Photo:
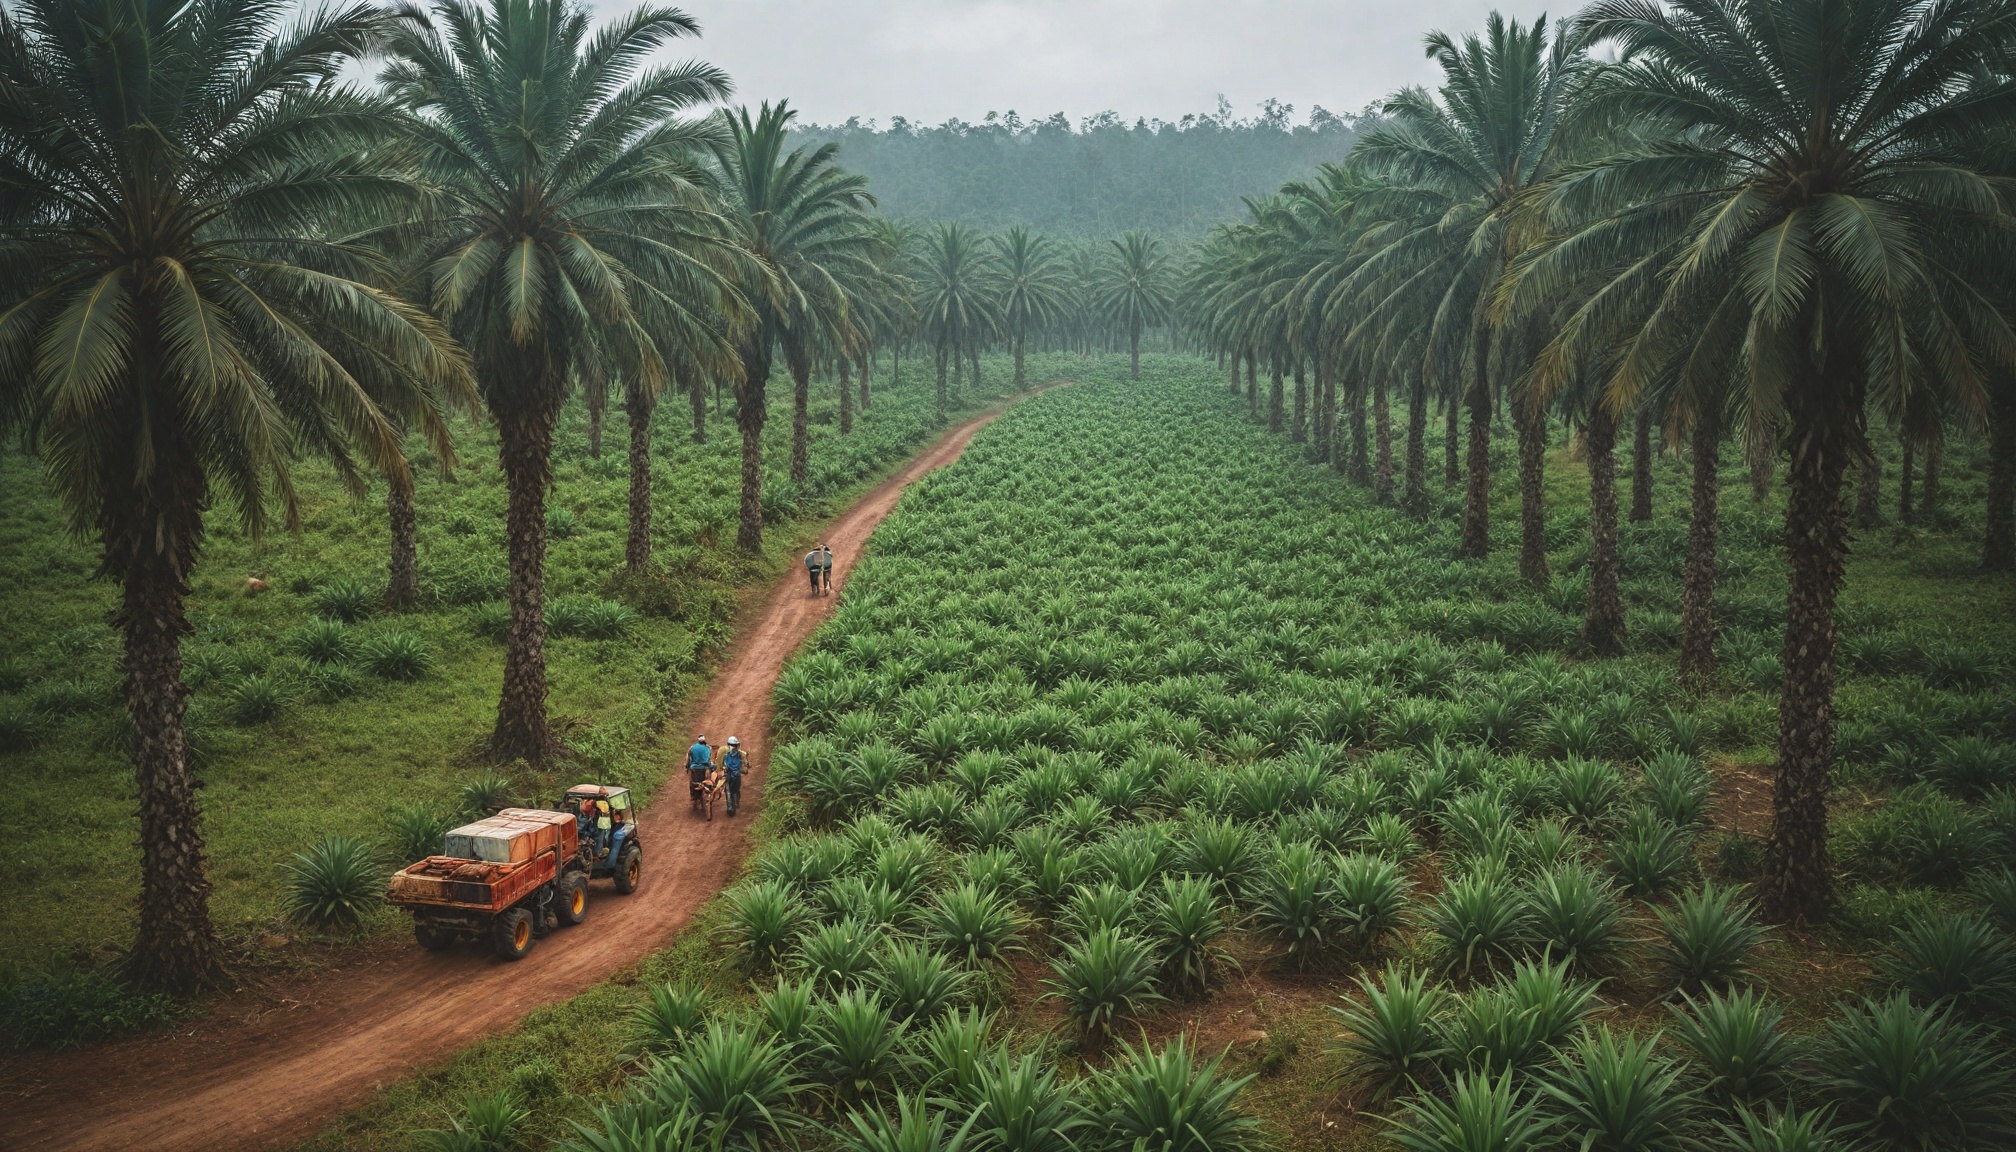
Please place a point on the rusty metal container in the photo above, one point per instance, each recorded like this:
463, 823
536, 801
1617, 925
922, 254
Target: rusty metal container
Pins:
491, 864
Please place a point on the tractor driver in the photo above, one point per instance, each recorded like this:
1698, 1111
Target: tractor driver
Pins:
587, 821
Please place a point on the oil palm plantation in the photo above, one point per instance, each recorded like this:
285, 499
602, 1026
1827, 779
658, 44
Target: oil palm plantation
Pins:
184, 315
1033, 292
804, 222
1136, 290
1812, 226
1461, 168
956, 304
572, 238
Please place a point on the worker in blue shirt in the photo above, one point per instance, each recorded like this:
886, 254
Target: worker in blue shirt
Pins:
699, 760
731, 770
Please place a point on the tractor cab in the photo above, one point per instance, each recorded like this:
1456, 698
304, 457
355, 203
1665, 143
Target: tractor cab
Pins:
608, 825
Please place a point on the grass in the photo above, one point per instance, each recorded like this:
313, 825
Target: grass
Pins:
304, 732
1198, 649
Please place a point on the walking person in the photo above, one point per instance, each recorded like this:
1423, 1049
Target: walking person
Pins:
813, 567
731, 771
826, 568
699, 761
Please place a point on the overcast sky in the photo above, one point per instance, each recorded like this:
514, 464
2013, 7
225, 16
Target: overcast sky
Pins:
933, 59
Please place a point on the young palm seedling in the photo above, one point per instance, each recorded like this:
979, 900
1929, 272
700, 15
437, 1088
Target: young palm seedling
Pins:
1479, 921
1617, 1092
1735, 1041
763, 920
674, 1014
1574, 915
1151, 1099
1962, 960
973, 924
855, 1045
1907, 1077
916, 983
1706, 937
1293, 903
1482, 1114
1391, 1039
1184, 923
1368, 896
1103, 978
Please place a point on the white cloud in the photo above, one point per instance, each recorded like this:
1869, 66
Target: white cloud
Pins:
932, 59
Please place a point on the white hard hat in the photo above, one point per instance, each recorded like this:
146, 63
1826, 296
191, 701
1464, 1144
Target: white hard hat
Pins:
734, 740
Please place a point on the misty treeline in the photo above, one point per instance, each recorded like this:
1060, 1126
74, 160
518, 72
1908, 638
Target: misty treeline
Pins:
1093, 180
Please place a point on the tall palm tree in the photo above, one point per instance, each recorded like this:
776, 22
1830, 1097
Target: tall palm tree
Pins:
1034, 289
956, 305
182, 315
1136, 290
572, 238
804, 221
1812, 224
1463, 166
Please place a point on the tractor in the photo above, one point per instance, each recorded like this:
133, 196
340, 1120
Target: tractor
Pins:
513, 877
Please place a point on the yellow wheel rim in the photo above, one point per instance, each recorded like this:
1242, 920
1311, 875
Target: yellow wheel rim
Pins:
522, 934
580, 901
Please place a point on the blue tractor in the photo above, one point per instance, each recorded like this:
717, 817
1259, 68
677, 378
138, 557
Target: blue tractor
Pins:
609, 842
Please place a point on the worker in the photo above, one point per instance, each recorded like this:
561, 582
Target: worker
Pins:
699, 758
731, 771
604, 827
813, 567
826, 567
586, 821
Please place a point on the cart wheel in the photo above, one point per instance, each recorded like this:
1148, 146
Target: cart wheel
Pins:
511, 933
570, 899
432, 936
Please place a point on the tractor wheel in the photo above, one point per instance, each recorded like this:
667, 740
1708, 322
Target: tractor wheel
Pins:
511, 933
570, 899
432, 936
629, 869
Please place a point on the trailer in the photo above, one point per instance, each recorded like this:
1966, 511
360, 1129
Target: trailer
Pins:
509, 878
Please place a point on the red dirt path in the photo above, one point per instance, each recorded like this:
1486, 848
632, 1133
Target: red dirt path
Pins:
258, 1079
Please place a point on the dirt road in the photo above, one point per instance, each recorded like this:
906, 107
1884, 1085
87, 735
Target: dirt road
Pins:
257, 1080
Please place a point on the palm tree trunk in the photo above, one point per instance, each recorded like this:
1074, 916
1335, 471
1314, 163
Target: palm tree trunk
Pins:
1697, 590
1382, 442
958, 372
1928, 490
1326, 414
942, 404
867, 370
1298, 433
1795, 881
1452, 471
696, 396
1235, 374
1414, 497
402, 585
637, 405
1360, 465
1641, 470
1998, 540
1476, 542
1021, 377
1603, 617
525, 447
801, 404
1906, 513
598, 405
1531, 426
1253, 385
175, 950
846, 400
974, 352
1134, 353
1869, 489
1762, 466
752, 404
1274, 399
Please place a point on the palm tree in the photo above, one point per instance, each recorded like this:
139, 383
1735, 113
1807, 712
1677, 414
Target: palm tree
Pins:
572, 238
955, 302
1463, 167
185, 314
1810, 223
805, 223
1136, 291
1034, 288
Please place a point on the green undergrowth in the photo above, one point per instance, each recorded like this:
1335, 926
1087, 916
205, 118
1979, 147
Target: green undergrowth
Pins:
1133, 728
316, 713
